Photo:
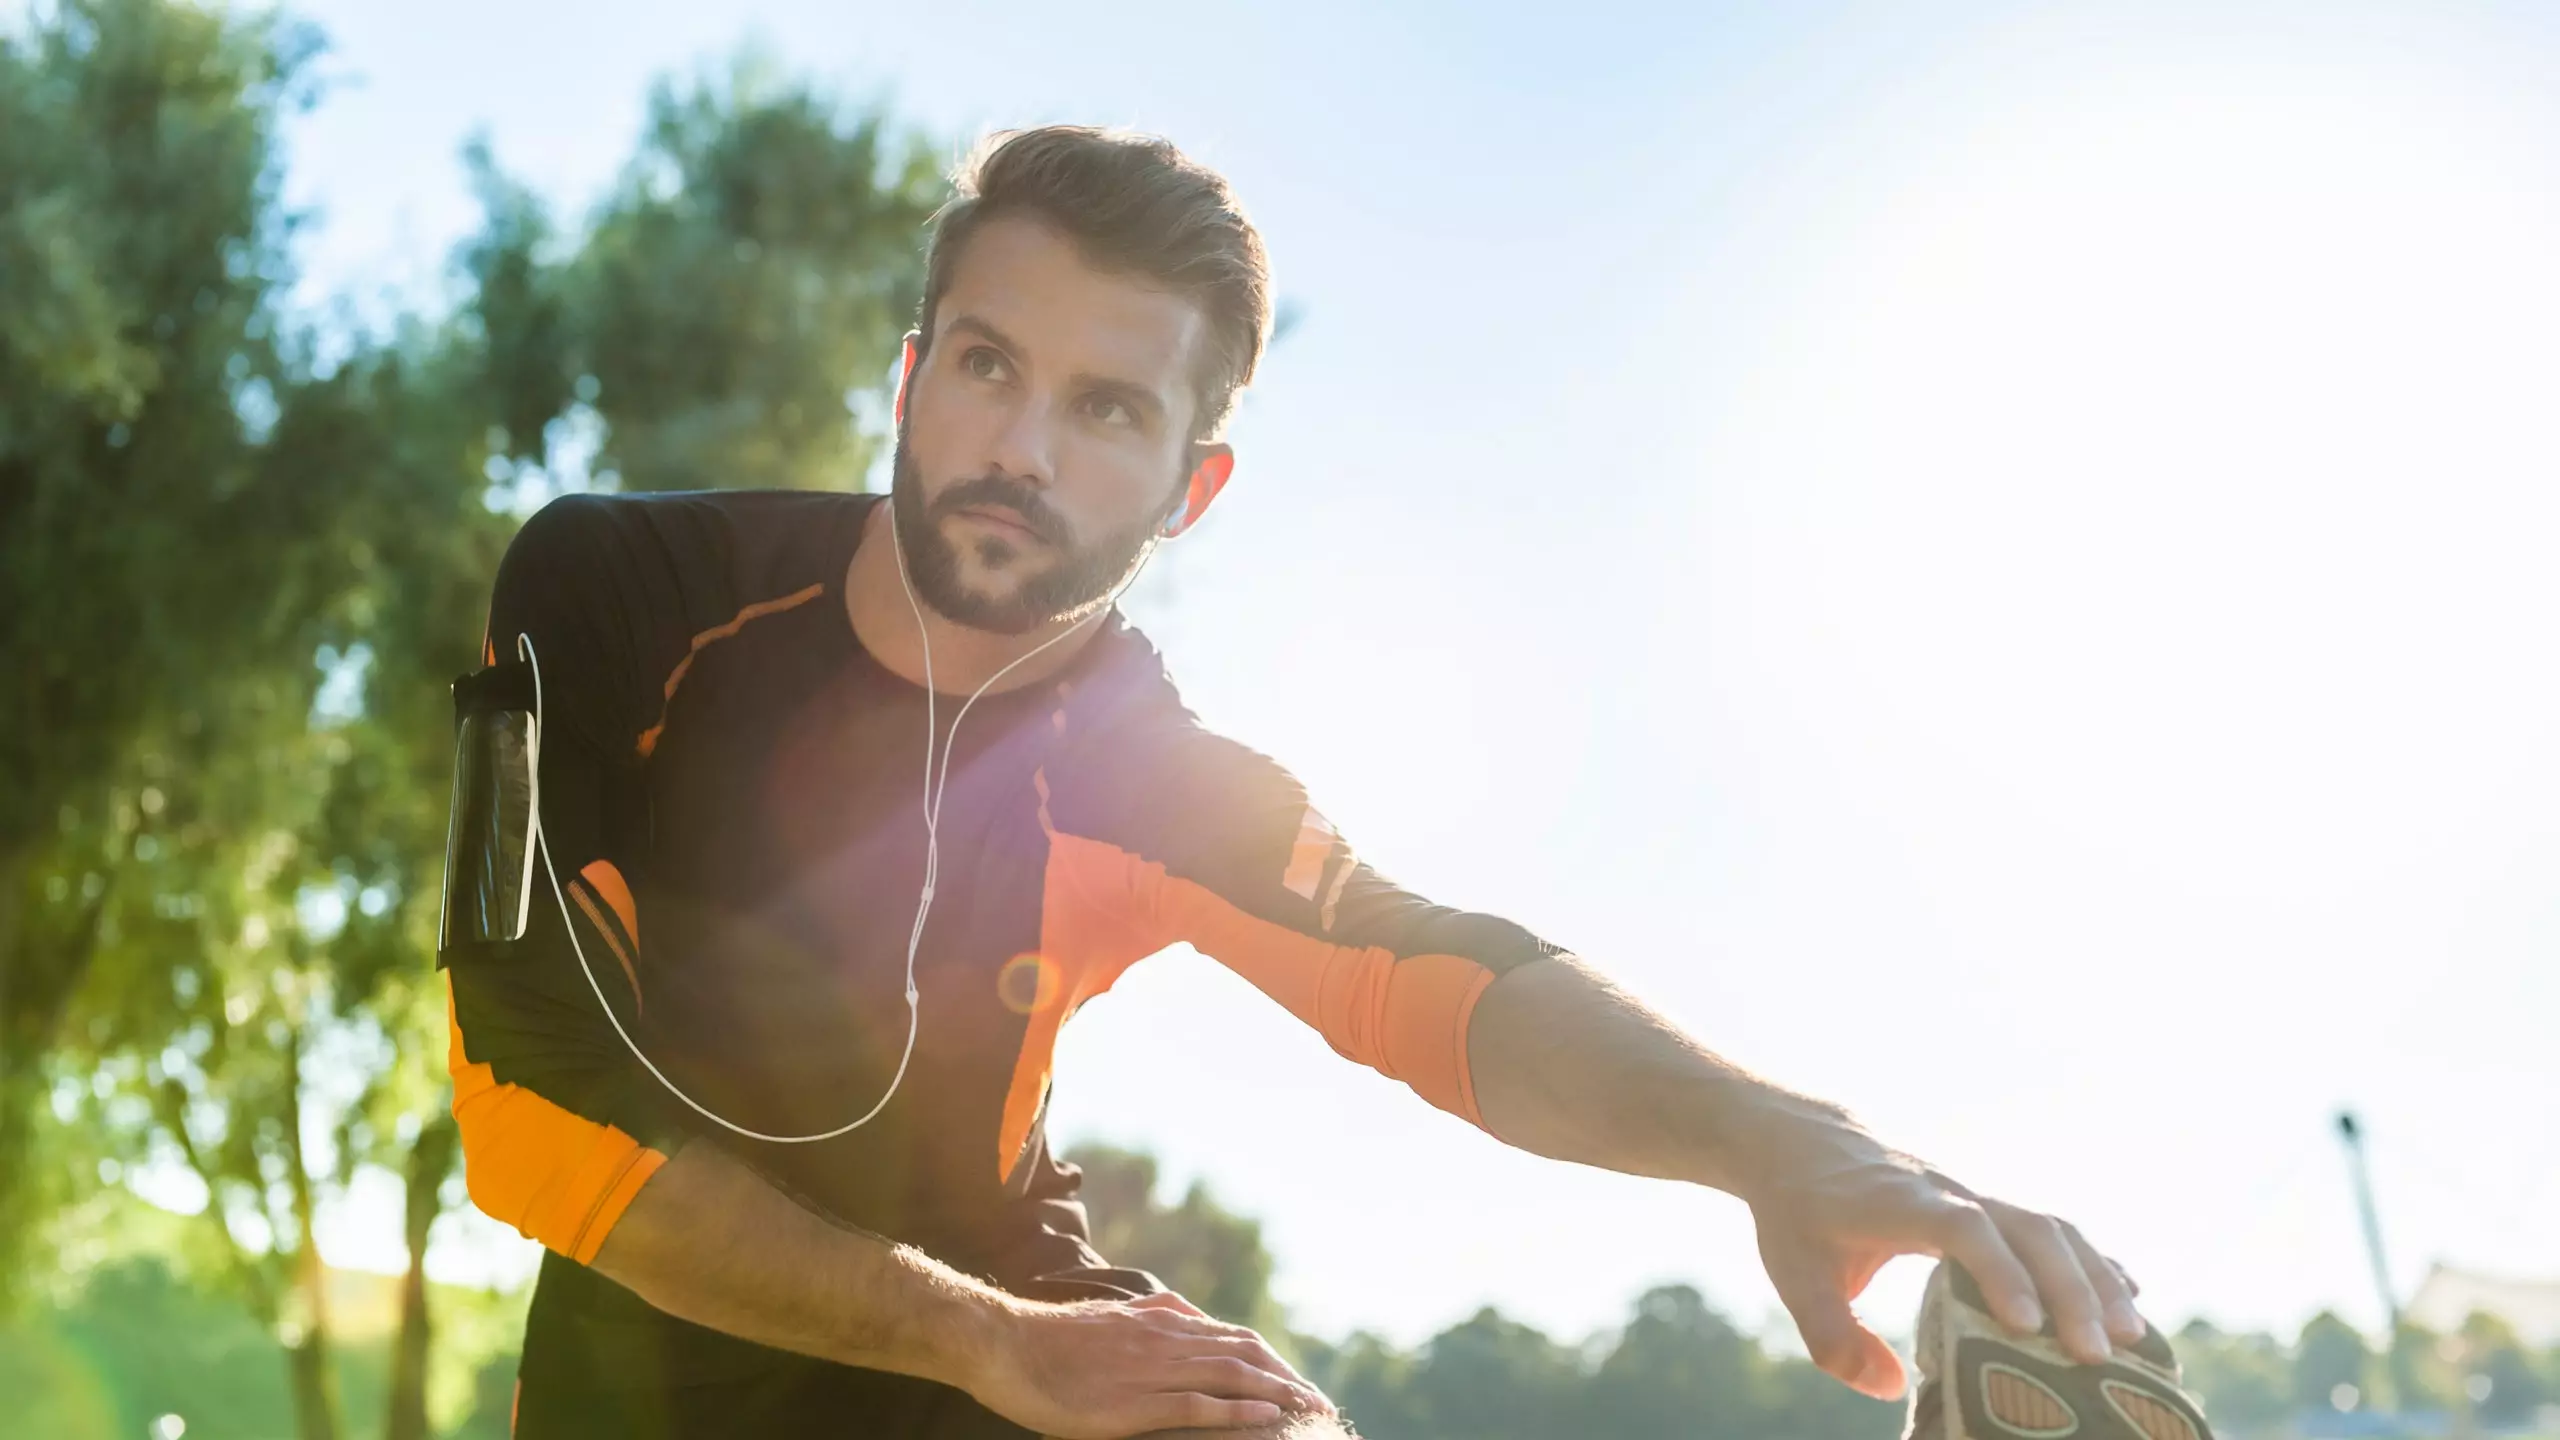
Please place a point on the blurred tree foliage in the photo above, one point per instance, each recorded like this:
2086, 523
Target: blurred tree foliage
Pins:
744, 282
146, 1336
157, 582
1677, 1369
751, 272
1211, 1255
2509, 1382
2331, 1353
242, 552
2247, 1379
142, 1339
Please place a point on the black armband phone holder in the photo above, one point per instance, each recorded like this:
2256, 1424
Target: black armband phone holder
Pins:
490, 835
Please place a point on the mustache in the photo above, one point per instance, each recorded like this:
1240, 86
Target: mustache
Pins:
1004, 492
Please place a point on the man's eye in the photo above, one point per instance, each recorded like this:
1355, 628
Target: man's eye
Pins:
983, 363
1110, 411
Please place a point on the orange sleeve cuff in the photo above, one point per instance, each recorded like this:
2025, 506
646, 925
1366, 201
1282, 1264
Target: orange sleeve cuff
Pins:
1422, 1028
558, 1178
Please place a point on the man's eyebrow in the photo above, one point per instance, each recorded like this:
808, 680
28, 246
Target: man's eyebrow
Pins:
1142, 398
1001, 340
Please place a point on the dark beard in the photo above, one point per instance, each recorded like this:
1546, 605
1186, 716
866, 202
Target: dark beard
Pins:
1081, 579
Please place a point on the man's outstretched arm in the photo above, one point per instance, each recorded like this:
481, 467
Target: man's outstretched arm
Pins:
712, 1242
1568, 1066
1221, 848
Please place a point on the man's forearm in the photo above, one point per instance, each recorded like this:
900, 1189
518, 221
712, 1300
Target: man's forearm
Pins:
710, 1241
1568, 1066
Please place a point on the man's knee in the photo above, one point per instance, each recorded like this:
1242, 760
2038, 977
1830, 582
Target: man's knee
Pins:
1308, 1427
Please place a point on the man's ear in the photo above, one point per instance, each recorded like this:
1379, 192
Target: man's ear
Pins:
906, 376
1213, 464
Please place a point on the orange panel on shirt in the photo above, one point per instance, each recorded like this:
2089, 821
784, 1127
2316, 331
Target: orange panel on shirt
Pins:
556, 1177
616, 892
1087, 936
1104, 909
601, 881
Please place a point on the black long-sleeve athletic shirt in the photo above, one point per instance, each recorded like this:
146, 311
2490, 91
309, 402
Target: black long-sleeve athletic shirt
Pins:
732, 793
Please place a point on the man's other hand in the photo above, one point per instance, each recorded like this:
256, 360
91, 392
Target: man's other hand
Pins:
1106, 1369
1823, 1238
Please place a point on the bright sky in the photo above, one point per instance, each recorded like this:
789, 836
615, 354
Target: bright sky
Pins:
1994, 560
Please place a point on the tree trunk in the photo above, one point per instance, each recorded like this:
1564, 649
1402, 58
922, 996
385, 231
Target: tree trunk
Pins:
315, 1397
30, 1011
430, 1160
15, 861
315, 1390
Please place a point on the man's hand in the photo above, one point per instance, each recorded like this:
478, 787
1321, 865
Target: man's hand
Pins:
713, 1242
1825, 1235
1568, 1065
1104, 1369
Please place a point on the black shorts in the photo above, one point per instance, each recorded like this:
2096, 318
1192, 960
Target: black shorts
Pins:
654, 1378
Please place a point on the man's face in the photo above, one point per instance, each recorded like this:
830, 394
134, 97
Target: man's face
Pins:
1046, 431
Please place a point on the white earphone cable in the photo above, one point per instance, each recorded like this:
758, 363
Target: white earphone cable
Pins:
937, 779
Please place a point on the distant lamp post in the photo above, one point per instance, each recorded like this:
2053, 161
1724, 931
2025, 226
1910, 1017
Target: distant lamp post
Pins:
2353, 1134
2403, 1381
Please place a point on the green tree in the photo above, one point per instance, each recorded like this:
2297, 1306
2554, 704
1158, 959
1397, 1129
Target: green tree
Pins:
151, 574
1495, 1378
2420, 1378
1806, 1404
412, 422
1371, 1380
728, 305
2245, 1381
268, 1022
1212, 1256
143, 1336
2330, 1354
264, 1014
1678, 1369
2517, 1389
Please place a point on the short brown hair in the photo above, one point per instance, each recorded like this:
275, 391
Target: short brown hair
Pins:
1131, 203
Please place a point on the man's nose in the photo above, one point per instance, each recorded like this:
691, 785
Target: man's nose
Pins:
1026, 443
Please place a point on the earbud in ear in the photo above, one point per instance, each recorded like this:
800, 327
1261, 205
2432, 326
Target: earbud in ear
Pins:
1203, 487
906, 377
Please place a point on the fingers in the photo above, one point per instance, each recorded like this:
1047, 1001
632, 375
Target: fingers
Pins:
1293, 1389
1242, 1345
1257, 1352
1969, 1237
1245, 1341
2115, 1292
1237, 1379
1094, 1369
2038, 1240
2029, 1264
1206, 1412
